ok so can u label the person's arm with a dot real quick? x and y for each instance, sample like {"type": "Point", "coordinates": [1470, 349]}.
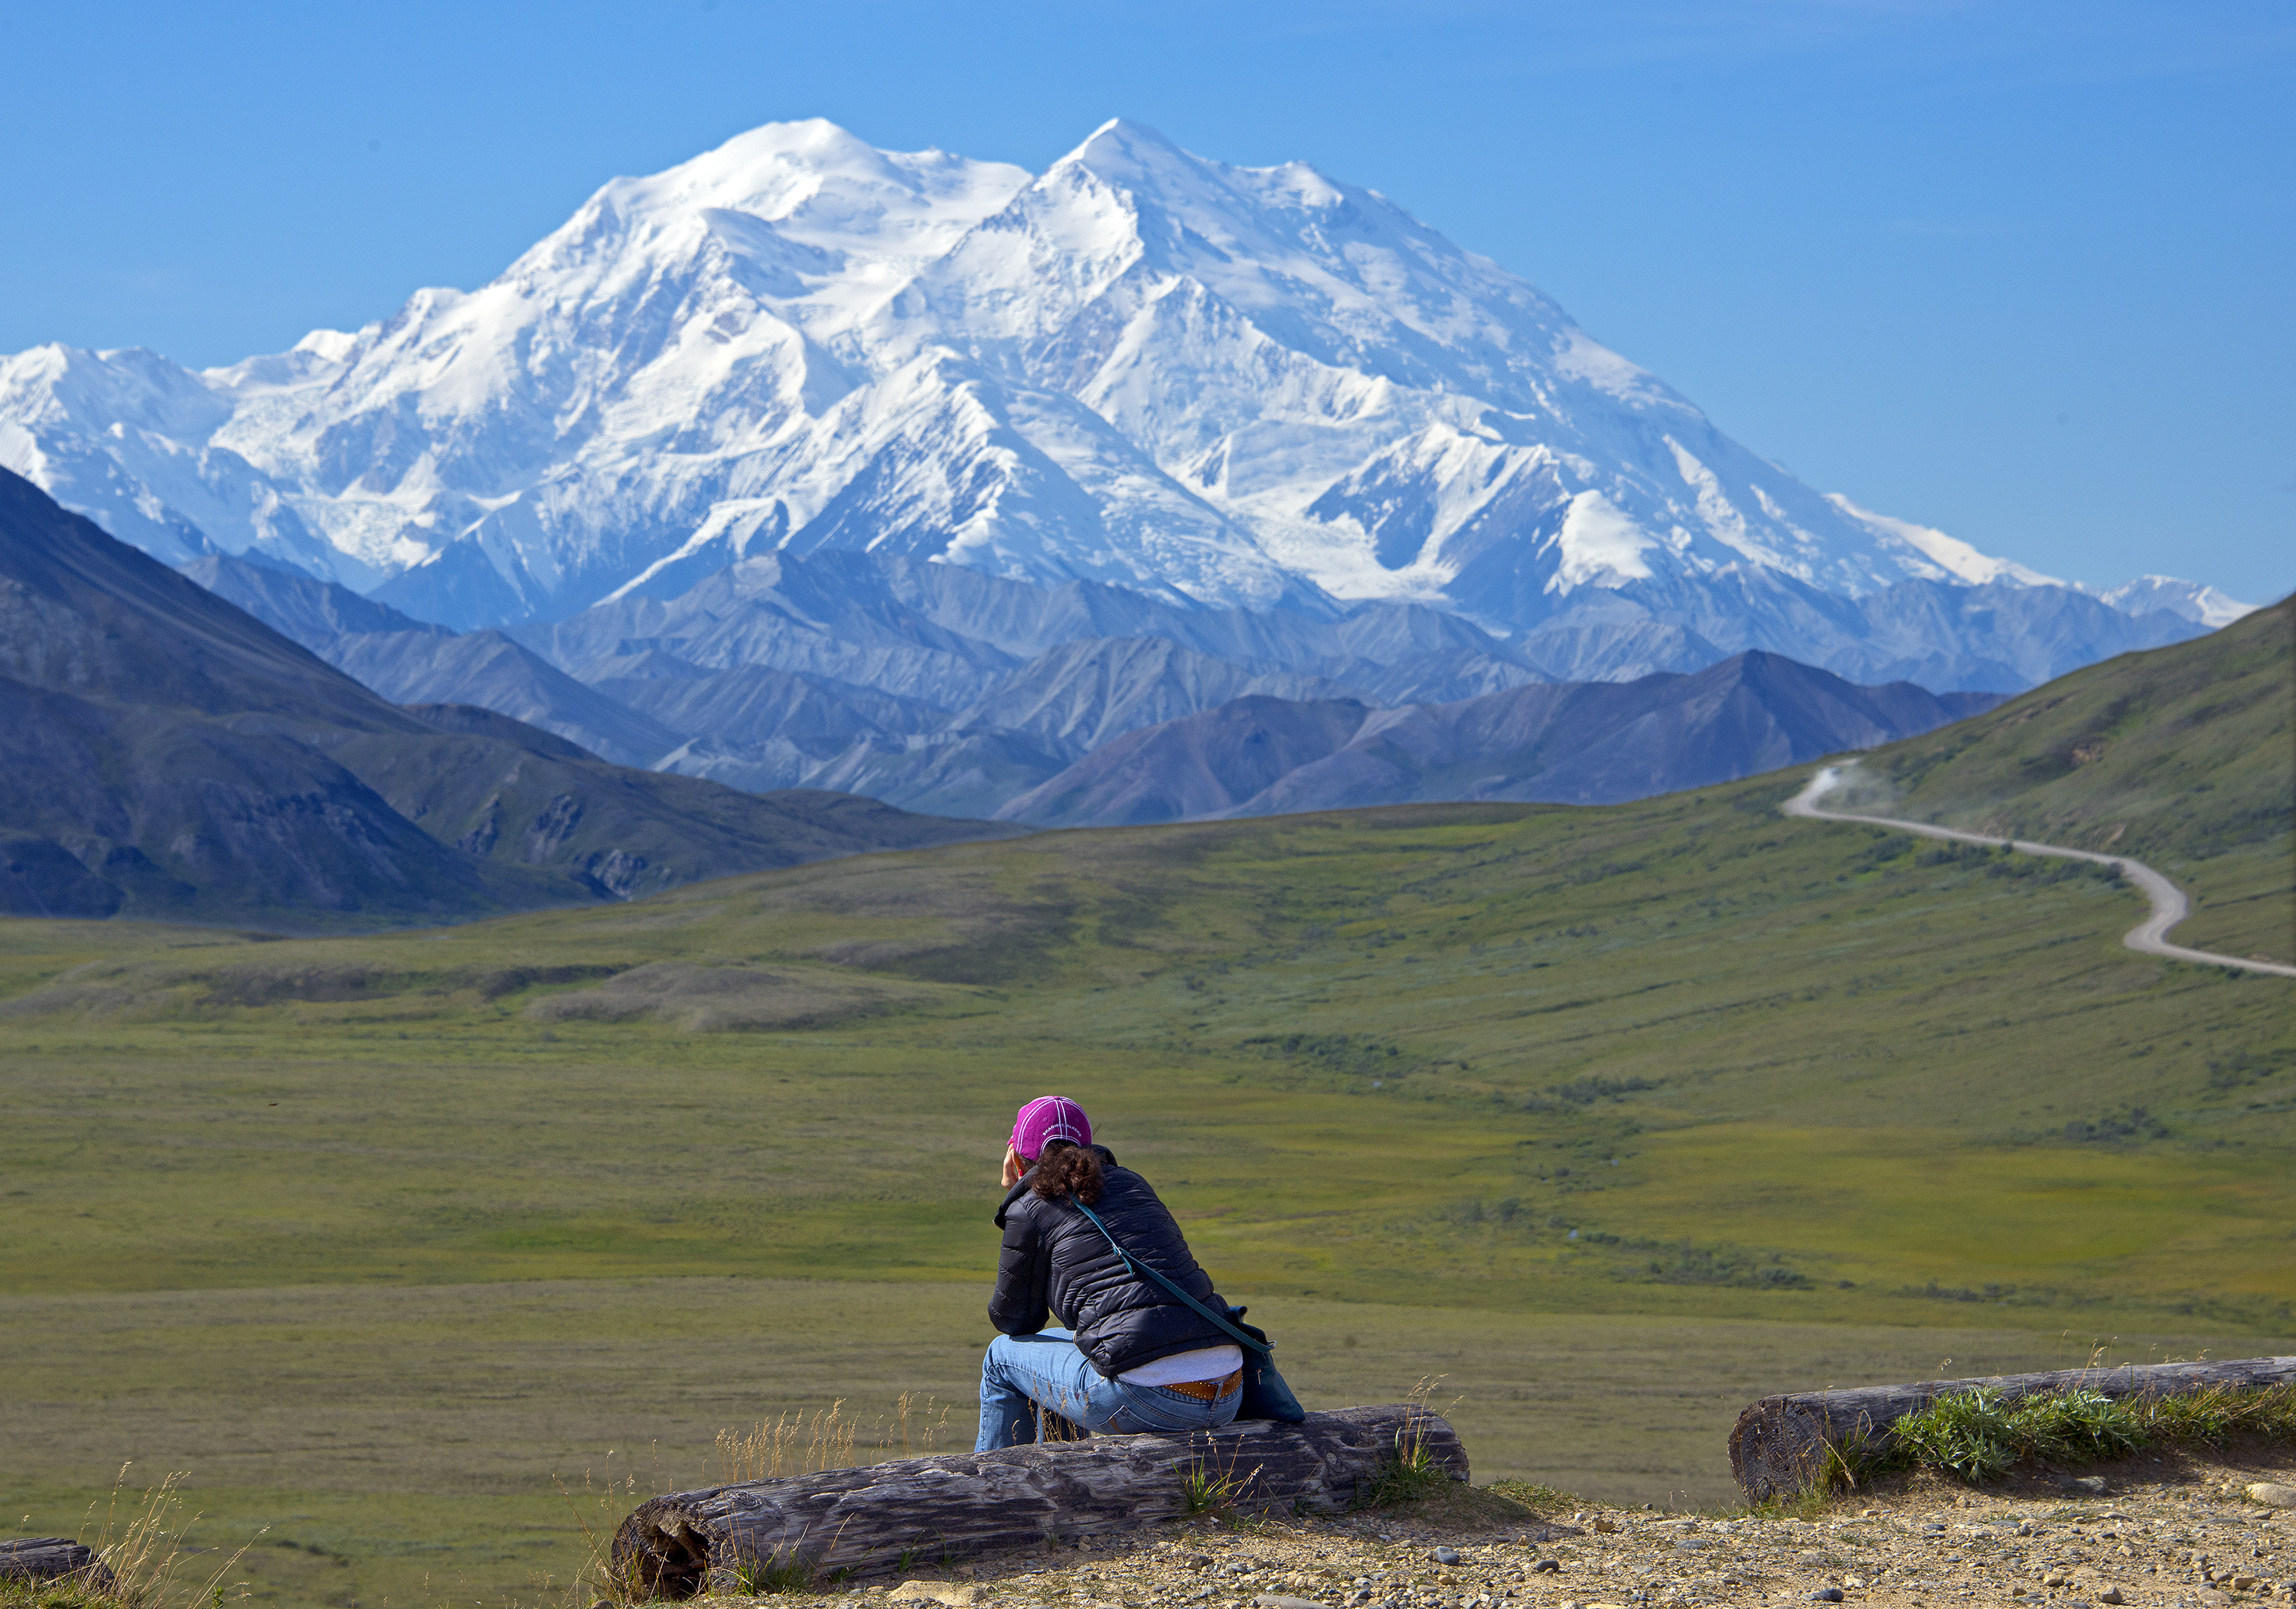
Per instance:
{"type": "Point", "coordinates": [1023, 1276]}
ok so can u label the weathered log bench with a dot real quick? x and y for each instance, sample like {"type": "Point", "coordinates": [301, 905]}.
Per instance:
{"type": "Point", "coordinates": [53, 1558]}
{"type": "Point", "coordinates": [848, 1523]}
{"type": "Point", "coordinates": [1784, 1445]}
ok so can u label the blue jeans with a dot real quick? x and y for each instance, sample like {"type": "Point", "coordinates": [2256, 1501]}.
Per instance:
{"type": "Point", "coordinates": [1022, 1371]}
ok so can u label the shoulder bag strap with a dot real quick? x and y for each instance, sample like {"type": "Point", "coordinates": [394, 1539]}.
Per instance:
{"type": "Point", "coordinates": [1137, 1266]}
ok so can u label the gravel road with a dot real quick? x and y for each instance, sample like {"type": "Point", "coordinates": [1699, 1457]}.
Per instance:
{"type": "Point", "coordinates": [2169, 905]}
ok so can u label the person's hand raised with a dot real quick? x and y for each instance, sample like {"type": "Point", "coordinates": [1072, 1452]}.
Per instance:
{"type": "Point", "coordinates": [1014, 1167]}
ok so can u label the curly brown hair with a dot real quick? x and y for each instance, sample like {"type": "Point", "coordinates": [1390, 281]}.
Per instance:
{"type": "Point", "coordinates": [1067, 1169]}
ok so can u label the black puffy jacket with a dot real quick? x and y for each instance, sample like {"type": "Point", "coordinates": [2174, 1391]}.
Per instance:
{"type": "Point", "coordinates": [1055, 1258]}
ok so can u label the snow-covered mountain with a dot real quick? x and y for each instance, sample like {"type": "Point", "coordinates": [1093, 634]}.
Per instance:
{"type": "Point", "coordinates": [2186, 600]}
{"type": "Point", "coordinates": [1225, 387]}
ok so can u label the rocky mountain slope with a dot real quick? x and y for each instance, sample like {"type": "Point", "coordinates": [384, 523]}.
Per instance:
{"type": "Point", "coordinates": [410, 662]}
{"type": "Point", "coordinates": [1571, 743]}
{"type": "Point", "coordinates": [737, 680]}
{"type": "Point", "coordinates": [169, 755]}
{"type": "Point", "coordinates": [1205, 384]}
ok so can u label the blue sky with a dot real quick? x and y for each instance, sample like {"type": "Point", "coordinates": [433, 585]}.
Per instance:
{"type": "Point", "coordinates": [2020, 271]}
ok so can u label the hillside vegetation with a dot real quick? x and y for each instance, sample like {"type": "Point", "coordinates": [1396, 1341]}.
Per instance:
{"type": "Point", "coordinates": [1683, 1056]}
{"type": "Point", "coordinates": [2185, 756]}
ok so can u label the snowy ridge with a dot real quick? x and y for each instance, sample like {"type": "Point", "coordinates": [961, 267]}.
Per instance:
{"type": "Point", "coordinates": [1950, 558]}
{"type": "Point", "coordinates": [1241, 388]}
{"type": "Point", "coordinates": [2186, 600]}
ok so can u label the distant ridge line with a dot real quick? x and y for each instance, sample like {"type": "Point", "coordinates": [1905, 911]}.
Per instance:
{"type": "Point", "coordinates": [2169, 904]}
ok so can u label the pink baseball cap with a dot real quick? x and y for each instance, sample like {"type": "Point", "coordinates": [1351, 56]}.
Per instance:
{"type": "Point", "coordinates": [1046, 1118]}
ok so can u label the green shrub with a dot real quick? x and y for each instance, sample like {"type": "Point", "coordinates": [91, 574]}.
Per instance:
{"type": "Point", "coordinates": [1408, 1473]}
{"type": "Point", "coordinates": [1979, 1435]}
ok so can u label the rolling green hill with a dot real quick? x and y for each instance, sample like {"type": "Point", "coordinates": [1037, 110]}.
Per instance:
{"type": "Point", "coordinates": [2184, 756]}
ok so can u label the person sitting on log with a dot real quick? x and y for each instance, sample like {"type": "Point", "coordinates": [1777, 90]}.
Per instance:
{"type": "Point", "coordinates": [1131, 1357]}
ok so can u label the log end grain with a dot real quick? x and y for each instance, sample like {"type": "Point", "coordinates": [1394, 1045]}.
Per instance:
{"type": "Point", "coordinates": [1778, 1450]}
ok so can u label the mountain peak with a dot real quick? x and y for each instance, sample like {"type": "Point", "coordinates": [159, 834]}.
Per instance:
{"type": "Point", "coordinates": [1144, 368]}
{"type": "Point", "coordinates": [1121, 146]}
{"type": "Point", "coordinates": [2186, 600]}
{"type": "Point", "coordinates": [819, 185]}
{"type": "Point", "coordinates": [1138, 157]}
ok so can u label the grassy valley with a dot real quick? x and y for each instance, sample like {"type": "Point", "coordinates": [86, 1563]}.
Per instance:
{"type": "Point", "coordinates": [1662, 1105]}
{"type": "Point", "coordinates": [1397, 1053]}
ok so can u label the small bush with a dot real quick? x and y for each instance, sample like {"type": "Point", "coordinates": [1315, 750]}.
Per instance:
{"type": "Point", "coordinates": [1408, 1473]}
{"type": "Point", "coordinates": [2123, 1124]}
{"type": "Point", "coordinates": [1205, 1491]}
{"type": "Point", "coordinates": [1980, 1436]}
{"type": "Point", "coordinates": [1207, 1487]}
{"type": "Point", "coordinates": [2209, 1417]}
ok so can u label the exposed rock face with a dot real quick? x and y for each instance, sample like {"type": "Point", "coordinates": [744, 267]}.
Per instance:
{"type": "Point", "coordinates": [1076, 697]}
{"type": "Point", "coordinates": [410, 662]}
{"type": "Point", "coordinates": [1570, 744]}
{"type": "Point", "coordinates": [733, 681]}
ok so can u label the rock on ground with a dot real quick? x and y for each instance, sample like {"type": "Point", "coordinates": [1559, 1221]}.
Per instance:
{"type": "Point", "coordinates": [2190, 1539]}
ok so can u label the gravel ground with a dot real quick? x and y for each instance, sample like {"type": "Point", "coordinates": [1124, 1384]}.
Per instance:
{"type": "Point", "coordinates": [2195, 1541]}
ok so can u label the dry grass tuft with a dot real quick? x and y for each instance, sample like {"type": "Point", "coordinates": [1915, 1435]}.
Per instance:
{"type": "Point", "coordinates": [802, 1443]}
{"type": "Point", "coordinates": [795, 1443]}
{"type": "Point", "coordinates": [142, 1558]}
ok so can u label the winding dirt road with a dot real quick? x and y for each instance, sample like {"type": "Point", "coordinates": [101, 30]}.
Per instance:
{"type": "Point", "coordinates": [2169, 905]}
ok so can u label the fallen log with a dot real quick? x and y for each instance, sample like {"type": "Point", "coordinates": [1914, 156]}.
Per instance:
{"type": "Point", "coordinates": [846, 1522]}
{"type": "Point", "coordinates": [1784, 1445]}
{"type": "Point", "coordinates": [53, 1558]}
